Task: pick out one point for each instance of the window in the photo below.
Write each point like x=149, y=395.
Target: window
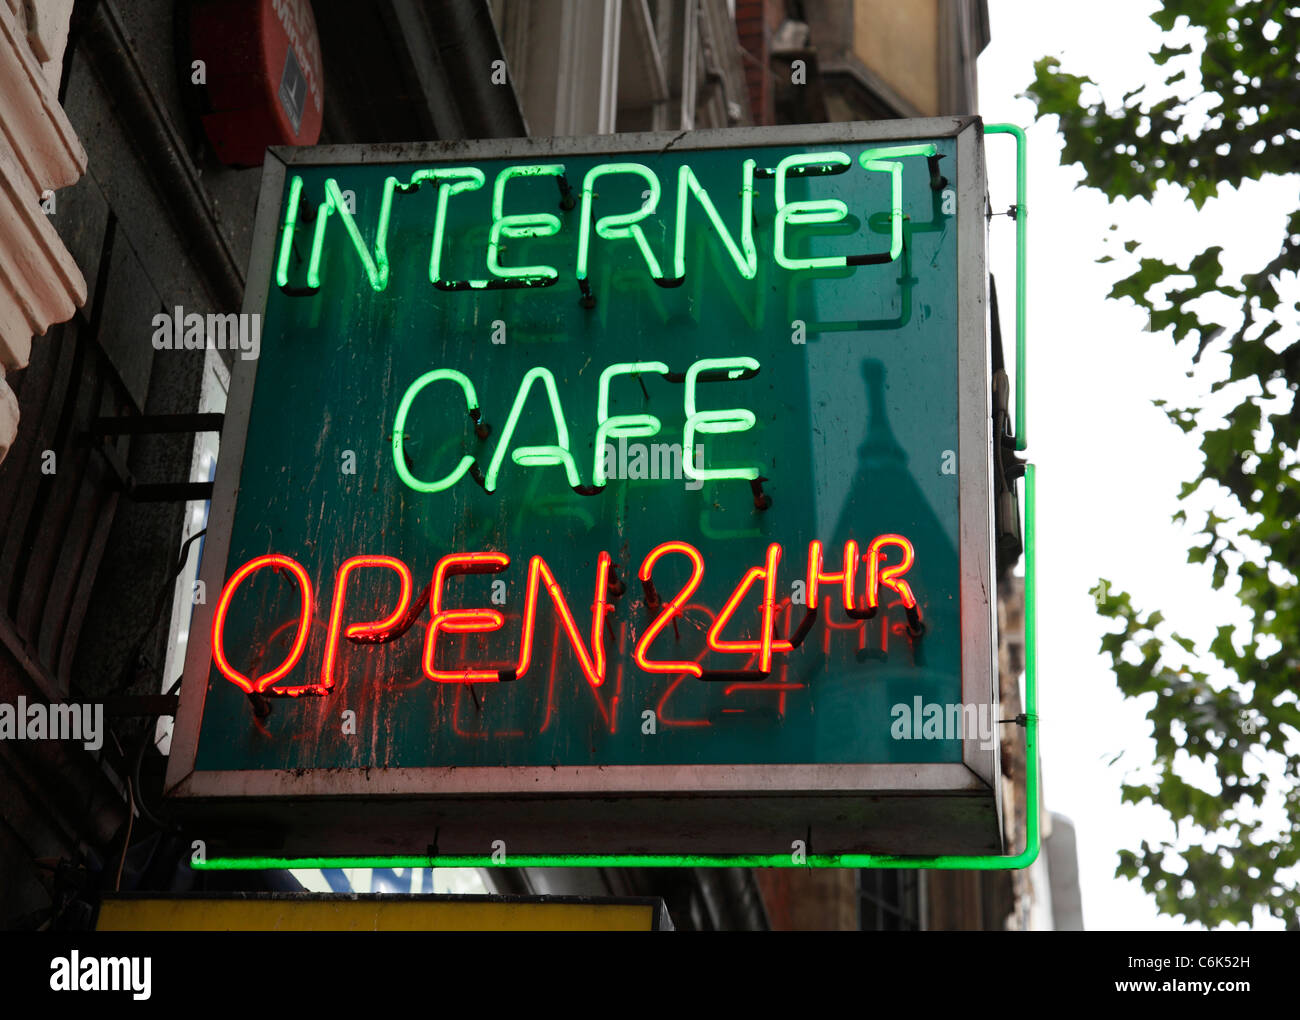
x=890, y=900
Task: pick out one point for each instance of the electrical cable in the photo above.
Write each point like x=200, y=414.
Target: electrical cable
x=119, y=681
x=135, y=774
x=126, y=843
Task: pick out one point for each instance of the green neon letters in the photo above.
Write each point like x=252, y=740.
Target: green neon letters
x=535, y=456
x=639, y=426
x=608, y=426
x=520, y=224
x=453, y=182
x=746, y=256
x=633, y=224
x=733, y=419
x=376, y=267
x=819, y=210
x=875, y=159
x=617, y=226
x=399, y=434
x=287, y=226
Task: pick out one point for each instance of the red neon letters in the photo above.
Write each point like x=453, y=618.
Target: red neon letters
x=591, y=656
x=360, y=630
x=764, y=645
x=673, y=609
x=462, y=621
x=593, y=663
x=300, y=640
x=890, y=577
x=846, y=578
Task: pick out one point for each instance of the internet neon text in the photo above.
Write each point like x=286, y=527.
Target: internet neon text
x=625, y=225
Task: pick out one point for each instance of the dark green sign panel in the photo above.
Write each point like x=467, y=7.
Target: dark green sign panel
x=556, y=458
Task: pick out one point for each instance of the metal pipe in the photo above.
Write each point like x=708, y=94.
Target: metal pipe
x=1022, y=217
x=964, y=862
x=976, y=862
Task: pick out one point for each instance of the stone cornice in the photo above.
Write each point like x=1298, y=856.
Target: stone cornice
x=40, y=284
x=35, y=127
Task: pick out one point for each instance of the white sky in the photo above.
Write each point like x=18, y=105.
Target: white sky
x=1109, y=463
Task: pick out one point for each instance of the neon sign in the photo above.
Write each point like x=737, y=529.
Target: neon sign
x=591, y=653
x=241, y=681
x=672, y=610
x=577, y=473
x=560, y=453
x=628, y=225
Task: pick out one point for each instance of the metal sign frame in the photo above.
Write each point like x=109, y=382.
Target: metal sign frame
x=672, y=813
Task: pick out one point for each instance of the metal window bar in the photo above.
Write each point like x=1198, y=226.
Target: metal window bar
x=889, y=900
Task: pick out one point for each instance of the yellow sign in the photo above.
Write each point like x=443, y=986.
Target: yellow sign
x=313, y=912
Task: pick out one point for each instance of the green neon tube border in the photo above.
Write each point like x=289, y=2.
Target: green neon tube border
x=975, y=862
x=978, y=862
x=1022, y=217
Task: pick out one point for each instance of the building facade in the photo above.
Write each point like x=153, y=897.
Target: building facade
x=120, y=202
